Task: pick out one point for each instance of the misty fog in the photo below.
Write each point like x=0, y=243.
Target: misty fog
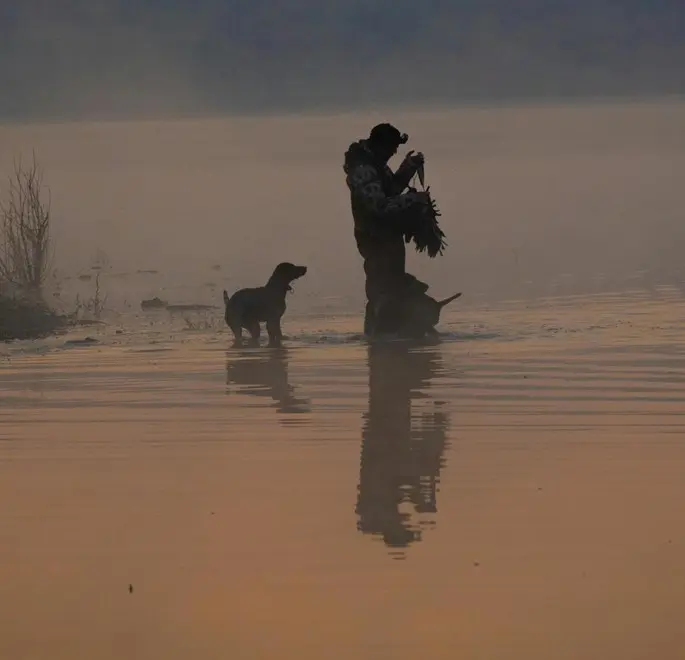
x=536, y=200
x=248, y=109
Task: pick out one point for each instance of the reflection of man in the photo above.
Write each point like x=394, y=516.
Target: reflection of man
x=384, y=216
x=266, y=374
x=400, y=461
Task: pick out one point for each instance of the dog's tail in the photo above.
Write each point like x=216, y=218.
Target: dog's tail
x=447, y=301
x=226, y=297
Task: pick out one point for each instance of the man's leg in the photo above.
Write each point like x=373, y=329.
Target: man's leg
x=389, y=307
x=386, y=320
x=369, y=319
x=385, y=293
x=374, y=288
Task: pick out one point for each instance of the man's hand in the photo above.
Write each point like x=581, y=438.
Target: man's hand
x=415, y=159
x=423, y=197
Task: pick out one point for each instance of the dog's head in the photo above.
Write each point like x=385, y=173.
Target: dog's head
x=285, y=273
x=424, y=311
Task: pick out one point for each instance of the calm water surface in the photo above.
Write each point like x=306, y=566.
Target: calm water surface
x=513, y=492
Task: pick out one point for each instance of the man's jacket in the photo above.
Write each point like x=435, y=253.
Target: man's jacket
x=382, y=213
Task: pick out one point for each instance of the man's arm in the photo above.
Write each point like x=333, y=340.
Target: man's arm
x=365, y=184
x=407, y=170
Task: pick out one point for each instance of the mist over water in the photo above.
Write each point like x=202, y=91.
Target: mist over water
x=536, y=200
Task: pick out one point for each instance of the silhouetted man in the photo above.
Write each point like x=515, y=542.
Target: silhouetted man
x=383, y=218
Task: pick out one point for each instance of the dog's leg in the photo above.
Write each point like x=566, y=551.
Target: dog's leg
x=273, y=327
x=255, y=331
x=232, y=318
x=237, y=335
x=234, y=323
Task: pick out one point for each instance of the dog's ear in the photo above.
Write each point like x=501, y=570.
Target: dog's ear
x=282, y=270
x=226, y=297
x=447, y=301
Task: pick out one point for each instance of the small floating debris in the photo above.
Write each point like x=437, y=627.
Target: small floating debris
x=191, y=308
x=87, y=322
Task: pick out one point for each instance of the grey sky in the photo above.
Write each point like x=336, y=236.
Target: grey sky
x=83, y=58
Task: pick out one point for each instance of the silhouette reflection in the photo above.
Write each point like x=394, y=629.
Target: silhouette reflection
x=402, y=450
x=264, y=372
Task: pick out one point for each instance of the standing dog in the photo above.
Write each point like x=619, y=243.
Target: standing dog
x=248, y=308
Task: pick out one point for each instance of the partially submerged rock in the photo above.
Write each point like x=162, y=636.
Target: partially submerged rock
x=86, y=341
x=153, y=303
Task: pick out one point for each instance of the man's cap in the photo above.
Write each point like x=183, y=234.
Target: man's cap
x=387, y=134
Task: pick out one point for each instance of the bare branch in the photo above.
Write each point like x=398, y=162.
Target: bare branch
x=25, y=242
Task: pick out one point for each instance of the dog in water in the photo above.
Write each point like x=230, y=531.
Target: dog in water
x=421, y=313
x=248, y=308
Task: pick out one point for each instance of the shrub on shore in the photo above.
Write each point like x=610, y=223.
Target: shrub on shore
x=22, y=318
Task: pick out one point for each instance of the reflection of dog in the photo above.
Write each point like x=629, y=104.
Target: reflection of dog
x=248, y=308
x=265, y=373
x=421, y=314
